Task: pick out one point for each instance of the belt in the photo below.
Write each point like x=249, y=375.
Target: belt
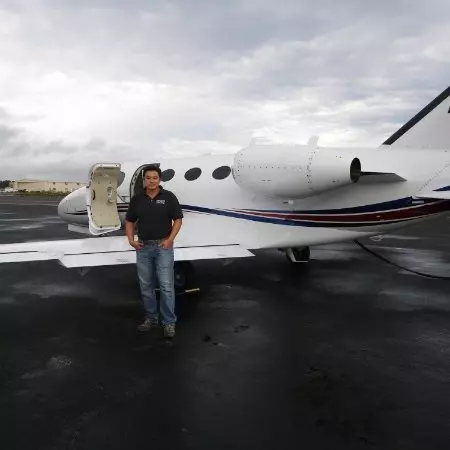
x=151, y=241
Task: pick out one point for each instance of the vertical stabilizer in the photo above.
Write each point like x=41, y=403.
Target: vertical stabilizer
x=429, y=128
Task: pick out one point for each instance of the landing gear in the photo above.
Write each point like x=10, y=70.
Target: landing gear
x=184, y=275
x=298, y=254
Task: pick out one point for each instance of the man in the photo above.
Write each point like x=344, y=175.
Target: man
x=159, y=217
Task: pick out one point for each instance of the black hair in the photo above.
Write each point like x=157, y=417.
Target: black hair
x=155, y=168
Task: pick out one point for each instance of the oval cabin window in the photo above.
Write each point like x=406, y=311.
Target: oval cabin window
x=167, y=175
x=221, y=172
x=193, y=174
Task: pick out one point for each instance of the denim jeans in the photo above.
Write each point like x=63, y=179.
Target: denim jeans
x=151, y=260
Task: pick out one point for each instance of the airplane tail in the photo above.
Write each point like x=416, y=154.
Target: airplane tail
x=429, y=128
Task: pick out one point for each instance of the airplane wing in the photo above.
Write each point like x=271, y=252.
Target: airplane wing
x=104, y=251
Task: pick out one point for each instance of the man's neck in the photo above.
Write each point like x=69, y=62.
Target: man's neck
x=152, y=192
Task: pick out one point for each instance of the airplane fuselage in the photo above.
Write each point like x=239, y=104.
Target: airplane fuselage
x=264, y=196
x=217, y=210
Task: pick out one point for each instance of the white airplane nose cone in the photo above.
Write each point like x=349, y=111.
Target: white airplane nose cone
x=72, y=207
x=68, y=204
x=62, y=207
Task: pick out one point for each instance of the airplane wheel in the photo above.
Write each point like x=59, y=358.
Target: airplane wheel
x=183, y=274
x=298, y=254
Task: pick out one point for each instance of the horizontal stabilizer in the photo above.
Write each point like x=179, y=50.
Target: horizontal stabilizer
x=104, y=251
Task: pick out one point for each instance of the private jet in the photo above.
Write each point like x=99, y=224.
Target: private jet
x=265, y=196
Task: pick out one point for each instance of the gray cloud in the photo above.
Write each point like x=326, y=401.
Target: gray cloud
x=90, y=80
x=6, y=134
x=57, y=160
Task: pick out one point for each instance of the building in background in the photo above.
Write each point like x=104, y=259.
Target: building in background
x=46, y=186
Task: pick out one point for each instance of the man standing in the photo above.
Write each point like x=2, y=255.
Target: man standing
x=159, y=217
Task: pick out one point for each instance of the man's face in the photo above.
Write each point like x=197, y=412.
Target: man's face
x=151, y=180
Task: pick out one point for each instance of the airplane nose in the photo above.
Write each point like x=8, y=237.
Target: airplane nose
x=62, y=207
x=71, y=204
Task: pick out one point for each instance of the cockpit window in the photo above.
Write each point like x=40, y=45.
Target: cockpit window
x=193, y=174
x=221, y=172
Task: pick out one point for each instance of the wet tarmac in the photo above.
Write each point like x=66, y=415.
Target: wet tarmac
x=345, y=353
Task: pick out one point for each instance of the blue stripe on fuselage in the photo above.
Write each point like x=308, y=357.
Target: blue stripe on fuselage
x=289, y=222
x=374, y=207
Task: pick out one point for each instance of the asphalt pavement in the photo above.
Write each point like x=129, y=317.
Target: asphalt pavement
x=347, y=352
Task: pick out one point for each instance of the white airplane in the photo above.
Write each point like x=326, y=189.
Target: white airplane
x=265, y=196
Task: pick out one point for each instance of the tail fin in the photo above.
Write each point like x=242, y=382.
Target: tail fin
x=429, y=128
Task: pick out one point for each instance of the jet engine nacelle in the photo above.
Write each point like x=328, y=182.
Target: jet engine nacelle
x=294, y=171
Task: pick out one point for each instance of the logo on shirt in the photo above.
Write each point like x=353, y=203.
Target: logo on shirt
x=160, y=202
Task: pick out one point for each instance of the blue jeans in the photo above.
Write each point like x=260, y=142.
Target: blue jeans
x=153, y=260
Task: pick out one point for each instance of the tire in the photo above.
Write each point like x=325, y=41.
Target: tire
x=183, y=275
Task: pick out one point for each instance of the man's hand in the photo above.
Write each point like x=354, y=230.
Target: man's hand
x=136, y=245
x=167, y=243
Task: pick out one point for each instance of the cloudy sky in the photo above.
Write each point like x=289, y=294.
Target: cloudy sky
x=112, y=80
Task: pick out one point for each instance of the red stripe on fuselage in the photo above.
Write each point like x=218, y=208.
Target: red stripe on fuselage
x=409, y=212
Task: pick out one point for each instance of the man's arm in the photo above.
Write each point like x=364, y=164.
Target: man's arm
x=129, y=228
x=130, y=220
x=175, y=229
x=176, y=214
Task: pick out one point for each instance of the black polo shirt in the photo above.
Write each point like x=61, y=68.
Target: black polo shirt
x=154, y=216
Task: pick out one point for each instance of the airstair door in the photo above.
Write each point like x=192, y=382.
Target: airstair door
x=101, y=199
